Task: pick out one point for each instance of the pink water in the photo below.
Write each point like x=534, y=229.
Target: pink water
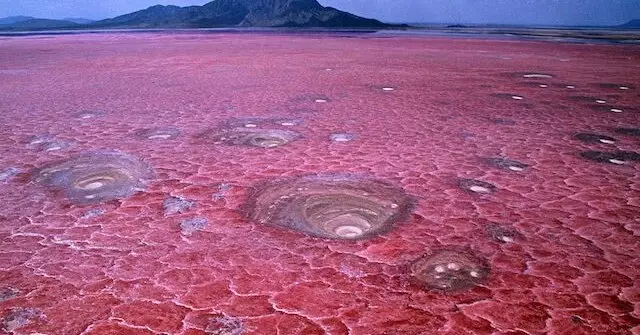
x=569, y=265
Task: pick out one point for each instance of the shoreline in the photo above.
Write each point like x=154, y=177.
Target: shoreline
x=550, y=34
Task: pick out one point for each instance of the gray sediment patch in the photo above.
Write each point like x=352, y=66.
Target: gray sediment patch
x=190, y=226
x=8, y=174
x=173, y=205
x=594, y=138
x=158, y=133
x=450, y=270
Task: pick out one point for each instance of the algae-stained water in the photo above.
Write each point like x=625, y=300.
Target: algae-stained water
x=158, y=183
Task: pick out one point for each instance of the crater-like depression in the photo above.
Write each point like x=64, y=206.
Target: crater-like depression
x=95, y=176
x=450, y=270
x=261, y=138
x=337, y=206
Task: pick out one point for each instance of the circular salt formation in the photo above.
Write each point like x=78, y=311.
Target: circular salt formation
x=506, y=164
x=615, y=157
x=46, y=143
x=96, y=177
x=250, y=122
x=158, y=133
x=39, y=139
x=594, y=138
x=55, y=146
x=502, y=234
x=330, y=206
x=450, y=270
x=509, y=96
x=476, y=186
x=258, y=122
x=89, y=114
x=614, y=86
x=341, y=137
x=309, y=98
x=537, y=84
x=584, y=99
x=261, y=138
x=537, y=75
x=529, y=75
x=288, y=123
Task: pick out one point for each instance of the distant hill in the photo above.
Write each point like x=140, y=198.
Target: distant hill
x=15, y=19
x=38, y=24
x=242, y=13
x=633, y=24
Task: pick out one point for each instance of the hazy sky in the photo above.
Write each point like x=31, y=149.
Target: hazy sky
x=552, y=12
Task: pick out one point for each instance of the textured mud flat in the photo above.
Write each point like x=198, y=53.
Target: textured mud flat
x=318, y=184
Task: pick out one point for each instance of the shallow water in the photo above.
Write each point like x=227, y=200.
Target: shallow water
x=518, y=158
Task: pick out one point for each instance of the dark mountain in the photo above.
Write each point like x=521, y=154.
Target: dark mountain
x=15, y=19
x=242, y=13
x=633, y=24
x=218, y=13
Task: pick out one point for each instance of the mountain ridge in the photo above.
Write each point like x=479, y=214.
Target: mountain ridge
x=242, y=13
x=634, y=24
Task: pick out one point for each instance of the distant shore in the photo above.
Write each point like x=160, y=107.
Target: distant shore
x=613, y=34
x=564, y=34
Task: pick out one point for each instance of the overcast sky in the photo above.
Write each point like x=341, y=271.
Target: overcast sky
x=551, y=12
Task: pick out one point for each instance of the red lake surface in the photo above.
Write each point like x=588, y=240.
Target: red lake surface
x=261, y=183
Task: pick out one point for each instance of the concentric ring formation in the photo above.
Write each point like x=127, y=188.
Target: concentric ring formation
x=261, y=138
x=330, y=206
x=96, y=176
